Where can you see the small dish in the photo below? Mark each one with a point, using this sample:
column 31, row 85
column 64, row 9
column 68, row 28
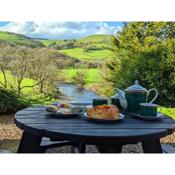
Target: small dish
column 62, row 115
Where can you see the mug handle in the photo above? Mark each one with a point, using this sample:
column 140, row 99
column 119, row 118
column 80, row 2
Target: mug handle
column 148, row 93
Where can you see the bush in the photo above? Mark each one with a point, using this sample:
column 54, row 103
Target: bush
column 145, row 51
column 9, row 102
column 80, row 78
column 90, row 47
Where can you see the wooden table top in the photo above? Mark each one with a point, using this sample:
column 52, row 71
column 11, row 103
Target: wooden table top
column 37, row 121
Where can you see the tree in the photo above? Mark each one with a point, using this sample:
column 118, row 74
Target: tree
column 80, row 78
column 19, row 67
column 145, row 51
column 5, row 58
column 43, row 68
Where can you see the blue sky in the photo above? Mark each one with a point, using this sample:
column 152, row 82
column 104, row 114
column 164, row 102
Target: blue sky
column 61, row 30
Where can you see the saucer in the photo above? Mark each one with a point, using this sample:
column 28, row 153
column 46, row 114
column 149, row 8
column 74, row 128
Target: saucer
column 158, row 116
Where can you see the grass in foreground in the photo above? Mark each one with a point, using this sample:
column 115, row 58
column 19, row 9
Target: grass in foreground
column 169, row 112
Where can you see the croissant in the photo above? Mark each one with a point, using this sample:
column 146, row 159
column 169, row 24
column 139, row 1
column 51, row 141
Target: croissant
column 104, row 112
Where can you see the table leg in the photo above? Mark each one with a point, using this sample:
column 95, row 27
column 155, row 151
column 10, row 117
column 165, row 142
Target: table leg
column 152, row 146
column 105, row 148
column 30, row 143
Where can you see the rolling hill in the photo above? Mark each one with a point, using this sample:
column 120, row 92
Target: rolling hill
column 90, row 48
column 98, row 38
column 13, row 38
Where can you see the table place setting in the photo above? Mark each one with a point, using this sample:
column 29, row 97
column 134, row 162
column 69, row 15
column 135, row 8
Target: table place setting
column 133, row 101
column 126, row 118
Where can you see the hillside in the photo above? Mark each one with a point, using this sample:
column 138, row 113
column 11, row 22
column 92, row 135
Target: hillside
column 48, row 42
column 13, row 38
column 100, row 38
column 90, row 48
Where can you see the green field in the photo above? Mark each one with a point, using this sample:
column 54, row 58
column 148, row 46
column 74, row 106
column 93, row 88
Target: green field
column 48, row 42
column 80, row 54
column 18, row 39
column 30, row 94
column 25, row 82
column 101, row 42
column 93, row 75
column 95, row 38
column 169, row 111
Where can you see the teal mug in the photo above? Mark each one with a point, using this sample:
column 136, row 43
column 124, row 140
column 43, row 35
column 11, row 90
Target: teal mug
column 149, row 109
column 100, row 101
column 115, row 101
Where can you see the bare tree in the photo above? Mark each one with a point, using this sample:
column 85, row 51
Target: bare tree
column 19, row 67
column 43, row 67
column 5, row 58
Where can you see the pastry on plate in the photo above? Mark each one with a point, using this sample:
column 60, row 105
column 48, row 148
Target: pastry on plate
column 108, row 112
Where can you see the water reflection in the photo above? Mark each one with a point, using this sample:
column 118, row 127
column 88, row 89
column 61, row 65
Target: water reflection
column 76, row 94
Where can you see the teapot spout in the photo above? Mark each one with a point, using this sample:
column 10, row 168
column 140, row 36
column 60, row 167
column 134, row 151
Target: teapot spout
column 122, row 99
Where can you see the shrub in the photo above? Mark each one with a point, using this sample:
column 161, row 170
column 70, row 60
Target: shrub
column 145, row 51
column 9, row 102
column 80, row 78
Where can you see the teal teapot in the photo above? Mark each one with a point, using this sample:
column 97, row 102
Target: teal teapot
column 133, row 96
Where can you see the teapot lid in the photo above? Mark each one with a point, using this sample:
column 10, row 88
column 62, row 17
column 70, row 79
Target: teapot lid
column 136, row 87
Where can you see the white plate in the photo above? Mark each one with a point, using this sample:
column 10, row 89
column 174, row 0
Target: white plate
column 103, row 120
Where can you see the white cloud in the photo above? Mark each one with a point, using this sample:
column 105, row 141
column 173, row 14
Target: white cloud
column 60, row 30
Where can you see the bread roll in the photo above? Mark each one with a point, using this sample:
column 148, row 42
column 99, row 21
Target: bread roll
column 52, row 108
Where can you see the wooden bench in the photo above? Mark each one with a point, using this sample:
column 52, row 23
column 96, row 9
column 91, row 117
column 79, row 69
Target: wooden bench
column 48, row 144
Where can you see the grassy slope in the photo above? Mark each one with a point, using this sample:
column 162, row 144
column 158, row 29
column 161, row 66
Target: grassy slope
column 48, row 42
column 18, row 39
column 79, row 53
column 100, row 41
column 95, row 38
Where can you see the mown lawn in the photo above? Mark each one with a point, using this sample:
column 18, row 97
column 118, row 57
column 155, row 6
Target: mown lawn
column 80, row 54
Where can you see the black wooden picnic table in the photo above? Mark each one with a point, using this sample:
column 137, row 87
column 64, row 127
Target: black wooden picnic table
column 108, row 137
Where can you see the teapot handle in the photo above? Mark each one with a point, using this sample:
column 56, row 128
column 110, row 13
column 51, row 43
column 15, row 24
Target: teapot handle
column 148, row 93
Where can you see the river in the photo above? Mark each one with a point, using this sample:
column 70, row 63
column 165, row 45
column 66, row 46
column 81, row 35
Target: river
column 76, row 94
